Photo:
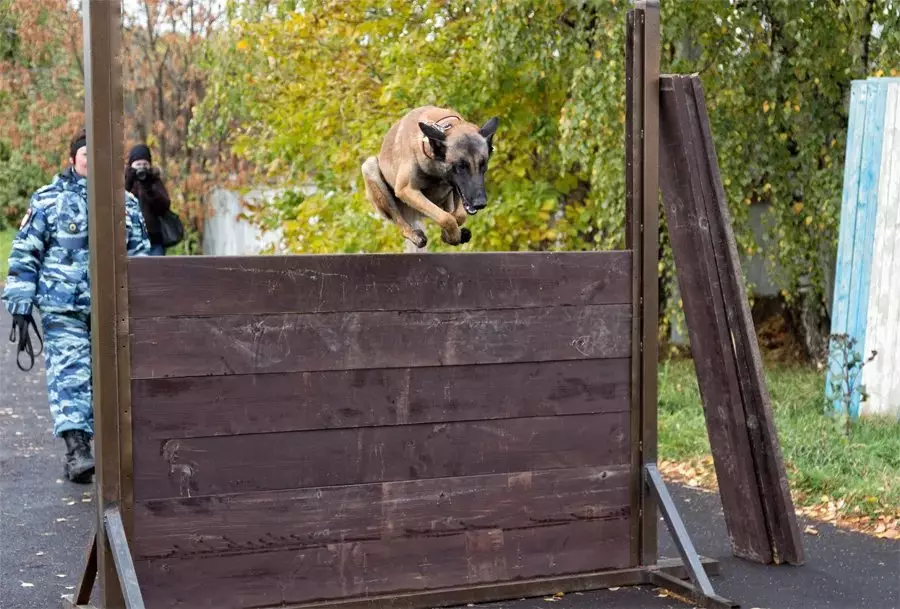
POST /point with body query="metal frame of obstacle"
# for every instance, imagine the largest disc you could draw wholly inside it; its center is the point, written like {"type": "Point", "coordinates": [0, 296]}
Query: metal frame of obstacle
{"type": "Point", "coordinates": [109, 562]}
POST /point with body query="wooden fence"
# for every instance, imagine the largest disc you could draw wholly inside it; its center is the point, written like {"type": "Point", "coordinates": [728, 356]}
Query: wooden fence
{"type": "Point", "coordinates": [866, 304]}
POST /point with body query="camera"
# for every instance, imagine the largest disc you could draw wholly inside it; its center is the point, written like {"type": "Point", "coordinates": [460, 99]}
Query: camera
{"type": "Point", "coordinates": [141, 174]}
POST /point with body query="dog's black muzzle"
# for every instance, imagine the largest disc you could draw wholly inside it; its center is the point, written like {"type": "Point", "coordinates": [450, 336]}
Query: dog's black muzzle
{"type": "Point", "coordinates": [474, 208]}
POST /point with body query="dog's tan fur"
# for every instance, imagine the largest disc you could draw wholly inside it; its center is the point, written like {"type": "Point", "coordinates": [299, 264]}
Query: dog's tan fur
{"type": "Point", "coordinates": [408, 182]}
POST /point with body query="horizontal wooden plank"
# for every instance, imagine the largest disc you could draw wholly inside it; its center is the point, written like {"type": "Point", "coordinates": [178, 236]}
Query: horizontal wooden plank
{"type": "Point", "coordinates": [197, 285]}
{"type": "Point", "coordinates": [276, 461]}
{"type": "Point", "coordinates": [263, 403]}
{"type": "Point", "coordinates": [460, 595]}
{"type": "Point", "coordinates": [368, 568]}
{"type": "Point", "coordinates": [241, 523]}
{"type": "Point", "coordinates": [208, 346]}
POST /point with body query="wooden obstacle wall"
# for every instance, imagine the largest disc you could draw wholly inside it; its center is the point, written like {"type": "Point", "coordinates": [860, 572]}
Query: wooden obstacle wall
{"type": "Point", "coordinates": [334, 427]}
{"type": "Point", "coordinates": [866, 304]}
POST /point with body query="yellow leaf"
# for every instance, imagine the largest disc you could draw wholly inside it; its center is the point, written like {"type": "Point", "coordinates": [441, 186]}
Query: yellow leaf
{"type": "Point", "coordinates": [242, 45]}
{"type": "Point", "coordinates": [796, 107]}
{"type": "Point", "coordinates": [765, 106]}
{"type": "Point", "coordinates": [879, 73]}
{"type": "Point", "coordinates": [808, 220]}
{"type": "Point", "coordinates": [597, 54]}
{"type": "Point", "coordinates": [798, 207]}
{"type": "Point", "coordinates": [767, 187]}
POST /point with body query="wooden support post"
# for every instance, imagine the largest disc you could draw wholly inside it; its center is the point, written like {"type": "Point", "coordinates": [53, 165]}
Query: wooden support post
{"type": "Point", "coordinates": [109, 307]}
{"type": "Point", "coordinates": [642, 212]}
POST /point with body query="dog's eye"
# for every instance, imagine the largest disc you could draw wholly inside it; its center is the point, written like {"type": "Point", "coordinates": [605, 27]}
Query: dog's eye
{"type": "Point", "coordinates": [459, 167]}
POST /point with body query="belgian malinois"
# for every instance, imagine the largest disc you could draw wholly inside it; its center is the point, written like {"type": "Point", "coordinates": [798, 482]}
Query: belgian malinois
{"type": "Point", "coordinates": [431, 164]}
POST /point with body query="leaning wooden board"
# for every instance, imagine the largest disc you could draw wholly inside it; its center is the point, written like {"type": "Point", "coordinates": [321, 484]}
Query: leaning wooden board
{"type": "Point", "coordinates": [322, 428]}
{"type": "Point", "coordinates": [752, 481]}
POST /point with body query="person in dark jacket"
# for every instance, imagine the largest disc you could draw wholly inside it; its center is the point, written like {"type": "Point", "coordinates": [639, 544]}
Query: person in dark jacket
{"type": "Point", "coordinates": [143, 181]}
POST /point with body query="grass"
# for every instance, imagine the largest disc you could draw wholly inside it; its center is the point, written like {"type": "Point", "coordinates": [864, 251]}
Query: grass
{"type": "Point", "coordinates": [6, 239]}
{"type": "Point", "coordinates": [823, 464]}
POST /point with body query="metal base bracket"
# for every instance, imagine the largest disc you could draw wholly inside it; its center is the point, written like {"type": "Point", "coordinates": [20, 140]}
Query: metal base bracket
{"type": "Point", "coordinates": [701, 592]}
{"type": "Point", "coordinates": [118, 542]}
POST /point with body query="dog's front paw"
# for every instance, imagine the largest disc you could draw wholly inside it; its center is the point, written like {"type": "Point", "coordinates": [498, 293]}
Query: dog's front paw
{"type": "Point", "coordinates": [419, 239]}
{"type": "Point", "coordinates": [465, 235]}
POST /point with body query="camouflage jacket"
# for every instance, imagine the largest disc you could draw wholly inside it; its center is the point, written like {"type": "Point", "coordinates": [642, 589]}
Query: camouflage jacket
{"type": "Point", "coordinates": [48, 265]}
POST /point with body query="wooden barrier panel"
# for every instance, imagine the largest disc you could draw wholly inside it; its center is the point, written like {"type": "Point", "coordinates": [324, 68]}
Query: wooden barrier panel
{"type": "Point", "coordinates": [753, 484]}
{"type": "Point", "coordinates": [339, 427]}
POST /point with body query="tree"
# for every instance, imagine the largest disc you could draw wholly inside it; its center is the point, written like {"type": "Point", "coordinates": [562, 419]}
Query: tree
{"type": "Point", "coordinates": [313, 86]}
{"type": "Point", "coordinates": [41, 96]}
{"type": "Point", "coordinates": [163, 82]}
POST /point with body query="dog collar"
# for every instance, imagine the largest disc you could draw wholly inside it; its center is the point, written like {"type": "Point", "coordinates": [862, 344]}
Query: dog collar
{"type": "Point", "coordinates": [437, 125]}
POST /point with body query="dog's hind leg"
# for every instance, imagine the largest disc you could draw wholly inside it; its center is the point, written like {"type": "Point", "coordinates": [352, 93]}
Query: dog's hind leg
{"type": "Point", "coordinates": [383, 199]}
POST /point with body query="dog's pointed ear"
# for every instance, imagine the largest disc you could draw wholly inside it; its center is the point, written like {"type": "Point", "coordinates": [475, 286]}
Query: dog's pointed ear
{"type": "Point", "coordinates": [488, 130]}
{"type": "Point", "coordinates": [436, 138]}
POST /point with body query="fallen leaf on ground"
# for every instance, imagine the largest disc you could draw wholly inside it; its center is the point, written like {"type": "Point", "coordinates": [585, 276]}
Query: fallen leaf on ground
{"type": "Point", "coordinates": [60, 575]}
{"type": "Point", "coordinates": [27, 585]}
{"type": "Point", "coordinates": [39, 554]}
{"type": "Point", "coordinates": [811, 530]}
{"type": "Point", "coordinates": [614, 589]}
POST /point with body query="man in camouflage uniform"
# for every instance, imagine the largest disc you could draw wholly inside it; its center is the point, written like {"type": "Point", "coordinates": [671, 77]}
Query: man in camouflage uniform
{"type": "Point", "coordinates": [48, 268]}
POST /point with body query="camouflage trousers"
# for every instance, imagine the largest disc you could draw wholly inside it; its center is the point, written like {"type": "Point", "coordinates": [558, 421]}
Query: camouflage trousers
{"type": "Point", "coordinates": [67, 350]}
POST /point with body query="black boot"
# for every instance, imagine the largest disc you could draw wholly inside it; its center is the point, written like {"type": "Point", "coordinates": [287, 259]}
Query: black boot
{"type": "Point", "coordinates": [79, 460]}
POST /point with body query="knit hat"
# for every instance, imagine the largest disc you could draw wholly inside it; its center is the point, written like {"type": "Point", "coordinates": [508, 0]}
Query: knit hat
{"type": "Point", "coordinates": [78, 142]}
{"type": "Point", "coordinates": [140, 152]}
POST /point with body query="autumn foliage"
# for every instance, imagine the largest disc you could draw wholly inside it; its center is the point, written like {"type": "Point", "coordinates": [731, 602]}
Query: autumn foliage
{"type": "Point", "coordinates": [42, 94]}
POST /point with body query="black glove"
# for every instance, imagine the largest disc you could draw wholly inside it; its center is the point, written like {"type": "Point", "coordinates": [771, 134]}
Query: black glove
{"type": "Point", "coordinates": [20, 334]}
{"type": "Point", "coordinates": [129, 178]}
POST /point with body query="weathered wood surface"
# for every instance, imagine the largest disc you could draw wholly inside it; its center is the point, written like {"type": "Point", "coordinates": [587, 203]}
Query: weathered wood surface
{"type": "Point", "coordinates": [201, 346]}
{"type": "Point", "coordinates": [368, 568]}
{"type": "Point", "coordinates": [753, 484]}
{"type": "Point", "coordinates": [774, 487]}
{"type": "Point", "coordinates": [264, 403]}
{"type": "Point", "coordinates": [840, 309]}
{"type": "Point", "coordinates": [259, 462]}
{"type": "Point", "coordinates": [704, 314]}
{"type": "Point", "coordinates": [883, 316]}
{"type": "Point", "coordinates": [642, 211]}
{"type": "Point", "coordinates": [209, 286]}
{"type": "Point", "coordinates": [237, 523]}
